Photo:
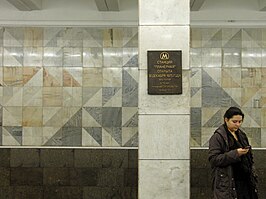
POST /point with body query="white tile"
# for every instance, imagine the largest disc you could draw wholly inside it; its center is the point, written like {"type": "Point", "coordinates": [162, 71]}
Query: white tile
{"type": "Point", "coordinates": [170, 12]}
{"type": "Point", "coordinates": [164, 179]}
{"type": "Point", "coordinates": [163, 38]}
{"type": "Point", "coordinates": [164, 136]}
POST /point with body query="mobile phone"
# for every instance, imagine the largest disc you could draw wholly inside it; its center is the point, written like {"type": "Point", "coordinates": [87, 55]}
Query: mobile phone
{"type": "Point", "coordinates": [247, 147]}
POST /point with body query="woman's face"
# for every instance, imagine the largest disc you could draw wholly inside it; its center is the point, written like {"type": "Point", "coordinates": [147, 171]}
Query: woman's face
{"type": "Point", "coordinates": [234, 123]}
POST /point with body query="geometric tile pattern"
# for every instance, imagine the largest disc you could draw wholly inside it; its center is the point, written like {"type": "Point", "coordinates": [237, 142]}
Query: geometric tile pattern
{"type": "Point", "coordinates": [59, 86]}
{"type": "Point", "coordinates": [227, 69]}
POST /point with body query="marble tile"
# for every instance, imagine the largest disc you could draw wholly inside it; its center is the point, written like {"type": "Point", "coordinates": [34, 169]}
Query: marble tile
{"type": "Point", "coordinates": [263, 37]}
{"type": "Point", "coordinates": [251, 77]}
{"type": "Point", "coordinates": [113, 57]}
{"type": "Point", "coordinates": [113, 37]}
{"type": "Point", "coordinates": [157, 142]}
{"type": "Point", "coordinates": [252, 117]}
{"type": "Point", "coordinates": [1, 56]}
{"type": "Point", "coordinates": [33, 56]}
{"type": "Point", "coordinates": [13, 76]}
{"type": "Point", "coordinates": [232, 37]}
{"type": "Point", "coordinates": [163, 179]}
{"type": "Point", "coordinates": [196, 77]}
{"type": "Point", "coordinates": [231, 57]}
{"type": "Point", "coordinates": [32, 136]}
{"type": "Point", "coordinates": [206, 133]}
{"type": "Point", "coordinates": [170, 104]}
{"type": "Point", "coordinates": [92, 57]}
{"type": "Point", "coordinates": [111, 116]}
{"type": "Point", "coordinates": [52, 36]}
{"type": "Point", "coordinates": [251, 37]}
{"type": "Point", "coordinates": [262, 100]}
{"type": "Point", "coordinates": [112, 137]}
{"type": "Point", "coordinates": [32, 76]}
{"type": "Point", "coordinates": [231, 78]}
{"type": "Point", "coordinates": [251, 57]}
{"type": "Point", "coordinates": [14, 36]}
{"type": "Point", "coordinates": [12, 96]}
{"type": "Point", "coordinates": [92, 136]}
{"type": "Point", "coordinates": [52, 76]}
{"type": "Point", "coordinates": [72, 77]}
{"type": "Point", "coordinates": [130, 81]}
{"type": "Point", "coordinates": [130, 57]}
{"type": "Point", "coordinates": [92, 77]}
{"type": "Point", "coordinates": [71, 37]}
{"type": "Point", "coordinates": [130, 116]}
{"type": "Point", "coordinates": [92, 37]}
{"type": "Point", "coordinates": [263, 137]}
{"type": "Point", "coordinates": [32, 116]}
{"type": "Point", "coordinates": [52, 56]}
{"type": "Point", "coordinates": [71, 136]}
{"type": "Point", "coordinates": [130, 136]}
{"type": "Point", "coordinates": [33, 36]}
{"type": "Point", "coordinates": [211, 57]}
{"type": "Point", "coordinates": [32, 96]}
{"type": "Point", "coordinates": [52, 96]}
{"type": "Point", "coordinates": [151, 13]}
{"type": "Point", "coordinates": [263, 117]}
{"type": "Point", "coordinates": [112, 77]}
{"type": "Point", "coordinates": [195, 38]}
{"type": "Point", "coordinates": [92, 117]}
{"type": "Point", "coordinates": [1, 36]}
{"type": "Point", "coordinates": [111, 97]}
{"type": "Point", "coordinates": [12, 136]}
{"type": "Point", "coordinates": [195, 57]}
{"type": "Point", "coordinates": [72, 57]}
{"type": "Point", "coordinates": [248, 95]}
{"type": "Point", "coordinates": [211, 37]}
{"type": "Point", "coordinates": [72, 96]}
{"type": "Point", "coordinates": [130, 37]}
{"type": "Point", "coordinates": [263, 77]}
{"type": "Point", "coordinates": [13, 56]}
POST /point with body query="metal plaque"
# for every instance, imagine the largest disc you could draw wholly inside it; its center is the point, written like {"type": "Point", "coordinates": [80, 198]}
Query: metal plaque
{"type": "Point", "coordinates": [165, 72]}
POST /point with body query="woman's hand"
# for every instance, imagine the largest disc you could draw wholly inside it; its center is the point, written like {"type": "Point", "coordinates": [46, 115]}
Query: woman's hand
{"type": "Point", "coordinates": [242, 151]}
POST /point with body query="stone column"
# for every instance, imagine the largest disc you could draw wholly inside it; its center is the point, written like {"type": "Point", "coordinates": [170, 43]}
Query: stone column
{"type": "Point", "coordinates": [164, 120]}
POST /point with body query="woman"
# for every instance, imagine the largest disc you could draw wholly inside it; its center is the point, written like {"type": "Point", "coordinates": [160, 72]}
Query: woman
{"type": "Point", "coordinates": [231, 160]}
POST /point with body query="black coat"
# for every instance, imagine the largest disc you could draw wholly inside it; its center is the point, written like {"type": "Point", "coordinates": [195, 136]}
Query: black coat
{"type": "Point", "coordinates": [221, 159]}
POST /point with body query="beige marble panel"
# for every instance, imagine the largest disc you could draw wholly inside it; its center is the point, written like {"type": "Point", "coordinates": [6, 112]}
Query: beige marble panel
{"type": "Point", "coordinates": [33, 36]}
{"type": "Point", "coordinates": [164, 104]}
{"type": "Point", "coordinates": [170, 38]}
{"type": "Point", "coordinates": [52, 96]}
{"type": "Point", "coordinates": [163, 179]}
{"type": "Point", "coordinates": [92, 77]}
{"type": "Point", "coordinates": [157, 12]}
{"type": "Point", "coordinates": [32, 116]}
{"type": "Point", "coordinates": [32, 136]}
{"type": "Point", "coordinates": [13, 76]}
{"type": "Point", "coordinates": [164, 136]}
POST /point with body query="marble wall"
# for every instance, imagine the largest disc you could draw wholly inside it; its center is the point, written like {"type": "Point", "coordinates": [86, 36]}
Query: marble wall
{"type": "Point", "coordinates": [68, 173]}
{"type": "Point", "coordinates": [228, 68]}
{"type": "Point", "coordinates": [69, 86]}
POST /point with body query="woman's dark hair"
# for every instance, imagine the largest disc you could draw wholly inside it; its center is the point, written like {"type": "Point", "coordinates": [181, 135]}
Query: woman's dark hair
{"type": "Point", "coordinates": [233, 111]}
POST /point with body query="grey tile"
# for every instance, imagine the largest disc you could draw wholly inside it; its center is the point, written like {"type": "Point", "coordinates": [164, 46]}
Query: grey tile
{"type": "Point", "coordinates": [25, 158]}
{"type": "Point", "coordinates": [129, 88]}
{"type": "Point", "coordinates": [91, 158]}
{"type": "Point", "coordinates": [57, 158]}
{"type": "Point", "coordinates": [111, 116]}
{"type": "Point", "coordinates": [26, 176]}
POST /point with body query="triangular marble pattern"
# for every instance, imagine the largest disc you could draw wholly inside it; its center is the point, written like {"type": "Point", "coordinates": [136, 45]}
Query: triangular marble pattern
{"type": "Point", "coordinates": [95, 133]}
